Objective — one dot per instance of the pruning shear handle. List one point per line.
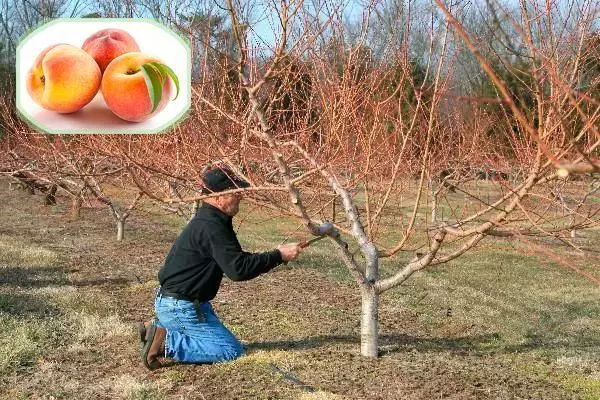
(307, 243)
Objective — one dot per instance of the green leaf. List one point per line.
(154, 83)
(166, 70)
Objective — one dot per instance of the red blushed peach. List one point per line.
(107, 44)
(125, 91)
(63, 78)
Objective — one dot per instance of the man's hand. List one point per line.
(289, 251)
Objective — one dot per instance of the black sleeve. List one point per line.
(237, 264)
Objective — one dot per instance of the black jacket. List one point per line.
(205, 249)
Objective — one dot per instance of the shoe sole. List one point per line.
(146, 347)
(142, 333)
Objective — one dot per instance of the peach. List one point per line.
(107, 44)
(63, 78)
(125, 91)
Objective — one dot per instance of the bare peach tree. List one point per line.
(76, 166)
(371, 134)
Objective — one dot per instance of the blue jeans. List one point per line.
(191, 341)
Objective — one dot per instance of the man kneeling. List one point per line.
(187, 329)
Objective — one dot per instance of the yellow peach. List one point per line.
(125, 91)
(107, 44)
(63, 78)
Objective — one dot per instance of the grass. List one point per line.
(500, 322)
(25, 333)
(493, 290)
(21, 341)
(96, 328)
(40, 311)
(14, 251)
(131, 388)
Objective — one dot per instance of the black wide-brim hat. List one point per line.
(222, 179)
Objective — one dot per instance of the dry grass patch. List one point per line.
(27, 321)
(20, 342)
(129, 387)
(18, 253)
(144, 287)
(95, 328)
(279, 357)
(320, 395)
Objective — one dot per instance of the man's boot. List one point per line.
(154, 347)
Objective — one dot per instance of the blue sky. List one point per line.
(267, 23)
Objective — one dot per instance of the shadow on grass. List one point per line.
(25, 305)
(38, 277)
(32, 277)
(101, 282)
(472, 345)
(391, 342)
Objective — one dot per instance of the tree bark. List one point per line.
(76, 207)
(50, 197)
(369, 327)
(120, 229)
(434, 203)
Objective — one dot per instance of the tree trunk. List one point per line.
(50, 197)
(434, 202)
(434, 207)
(76, 207)
(120, 229)
(369, 327)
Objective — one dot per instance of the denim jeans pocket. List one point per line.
(181, 315)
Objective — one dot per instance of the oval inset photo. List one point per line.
(103, 76)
